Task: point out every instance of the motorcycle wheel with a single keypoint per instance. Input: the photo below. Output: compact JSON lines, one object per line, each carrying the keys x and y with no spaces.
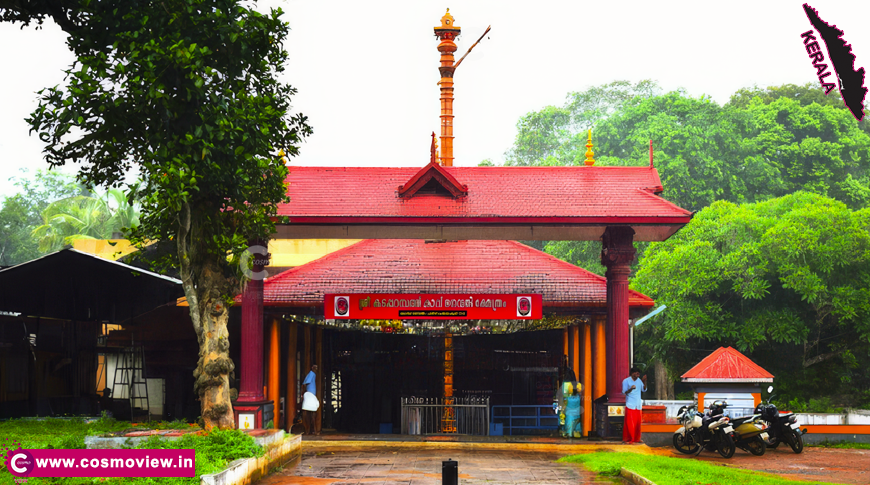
{"x":772,"y":441}
{"x":685,"y":443}
{"x":725,"y":445}
{"x":756,"y":446}
{"x":795,"y":440}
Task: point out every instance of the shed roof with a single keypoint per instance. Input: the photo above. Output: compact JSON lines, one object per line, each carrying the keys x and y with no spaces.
{"x":418,"y":266}
{"x":73,"y":285}
{"x":726,"y":364}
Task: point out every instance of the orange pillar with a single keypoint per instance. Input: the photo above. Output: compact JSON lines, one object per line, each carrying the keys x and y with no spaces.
{"x":565,"y":347}
{"x":599,"y":357}
{"x":575,"y":364}
{"x":446,"y":33}
{"x":274,"y":383}
{"x":587,"y":378}
{"x":321,"y":377}
{"x":291,"y":398}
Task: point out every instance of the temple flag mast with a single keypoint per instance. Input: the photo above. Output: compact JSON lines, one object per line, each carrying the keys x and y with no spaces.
{"x":447,"y":32}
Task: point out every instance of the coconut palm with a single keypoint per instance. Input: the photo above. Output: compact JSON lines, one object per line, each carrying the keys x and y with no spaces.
{"x":83,"y":217}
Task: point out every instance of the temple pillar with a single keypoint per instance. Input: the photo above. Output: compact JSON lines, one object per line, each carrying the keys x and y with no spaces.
{"x":321,"y":377}
{"x":291,"y":399}
{"x":273,"y":388}
{"x":617,"y":255}
{"x":599,"y":355}
{"x":566,"y":348}
{"x":575,"y":352}
{"x":587,"y":378}
{"x":252,"y":409}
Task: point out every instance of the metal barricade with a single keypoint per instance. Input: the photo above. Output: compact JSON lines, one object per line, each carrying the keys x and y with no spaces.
{"x":525,"y":417}
{"x":433,"y":415}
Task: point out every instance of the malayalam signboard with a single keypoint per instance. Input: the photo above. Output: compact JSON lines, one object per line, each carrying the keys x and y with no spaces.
{"x":380,"y":306}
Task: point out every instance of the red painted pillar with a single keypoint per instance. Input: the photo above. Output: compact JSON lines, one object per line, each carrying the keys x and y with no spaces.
{"x":617,"y":255}
{"x":251,"y":385}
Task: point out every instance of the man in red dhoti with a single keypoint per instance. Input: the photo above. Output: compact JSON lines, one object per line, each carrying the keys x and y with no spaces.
{"x":632,"y":387}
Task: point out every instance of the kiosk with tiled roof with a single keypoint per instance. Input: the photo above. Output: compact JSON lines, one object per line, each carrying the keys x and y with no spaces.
{"x":727,"y":374}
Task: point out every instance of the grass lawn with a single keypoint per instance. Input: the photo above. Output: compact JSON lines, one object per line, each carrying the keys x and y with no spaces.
{"x":664,"y":470}
{"x":213,"y":451}
{"x":842,"y":445}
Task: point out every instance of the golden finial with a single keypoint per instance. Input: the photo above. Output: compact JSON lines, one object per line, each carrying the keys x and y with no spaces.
{"x":590,"y":161}
{"x":447,"y":21}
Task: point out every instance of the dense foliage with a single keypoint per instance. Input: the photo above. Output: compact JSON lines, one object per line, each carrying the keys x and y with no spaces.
{"x":786,"y":281}
{"x":22,"y":212}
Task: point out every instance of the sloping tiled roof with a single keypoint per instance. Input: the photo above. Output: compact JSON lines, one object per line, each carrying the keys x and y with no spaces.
{"x":495,"y":194}
{"x":727,"y":365}
{"x":415,"y":266}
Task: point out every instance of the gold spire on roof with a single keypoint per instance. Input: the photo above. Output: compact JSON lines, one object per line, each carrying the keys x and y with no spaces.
{"x":590,"y":161}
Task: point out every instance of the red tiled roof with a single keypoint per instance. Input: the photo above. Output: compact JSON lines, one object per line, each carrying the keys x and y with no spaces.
{"x":415,"y":266}
{"x":495,"y":194}
{"x":727,"y":365}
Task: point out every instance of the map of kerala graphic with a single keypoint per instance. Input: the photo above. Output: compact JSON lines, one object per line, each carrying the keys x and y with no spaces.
{"x":851,"y":81}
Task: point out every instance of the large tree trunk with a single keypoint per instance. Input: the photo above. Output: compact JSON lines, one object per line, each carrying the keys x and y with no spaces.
{"x":209,"y":313}
{"x":664,"y":385}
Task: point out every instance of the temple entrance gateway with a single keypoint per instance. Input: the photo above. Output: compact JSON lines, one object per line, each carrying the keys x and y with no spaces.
{"x":446,"y":204}
{"x":512,"y":362}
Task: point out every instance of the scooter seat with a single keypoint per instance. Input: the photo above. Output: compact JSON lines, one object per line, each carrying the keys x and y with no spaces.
{"x":743,"y":419}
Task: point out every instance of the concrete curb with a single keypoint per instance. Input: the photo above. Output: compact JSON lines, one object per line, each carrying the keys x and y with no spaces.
{"x":248,"y":470}
{"x":634,"y":478}
{"x":567,"y":448}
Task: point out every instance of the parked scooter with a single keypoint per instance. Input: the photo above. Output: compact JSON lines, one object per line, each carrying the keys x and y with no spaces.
{"x":687,"y":439}
{"x":704,"y":431}
{"x":749,"y":434}
{"x":781,"y":427}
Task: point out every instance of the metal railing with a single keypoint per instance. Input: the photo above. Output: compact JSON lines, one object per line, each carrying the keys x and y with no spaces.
{"x":525,"y":417}
{"x":458,"y":415}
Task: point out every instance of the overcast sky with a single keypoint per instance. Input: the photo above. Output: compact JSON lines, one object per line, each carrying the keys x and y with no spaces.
{"x":367,"y":71}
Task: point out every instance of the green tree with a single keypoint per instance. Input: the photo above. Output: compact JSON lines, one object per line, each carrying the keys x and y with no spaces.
{"x":186,"y":91}
{"x":785,"y":280}
{"x":22,"y":212}
{"x":82,"y":217}
{"x":557,"y":135}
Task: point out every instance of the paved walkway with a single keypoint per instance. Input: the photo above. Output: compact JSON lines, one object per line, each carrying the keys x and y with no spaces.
{"x":386,"y":465}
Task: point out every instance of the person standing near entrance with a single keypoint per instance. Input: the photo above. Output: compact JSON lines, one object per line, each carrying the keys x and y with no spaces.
{"x":309,"y":401}
{"x":632,"y":387}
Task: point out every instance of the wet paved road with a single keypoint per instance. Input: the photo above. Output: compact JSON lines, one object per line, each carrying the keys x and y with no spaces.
{"x":394,"y":466}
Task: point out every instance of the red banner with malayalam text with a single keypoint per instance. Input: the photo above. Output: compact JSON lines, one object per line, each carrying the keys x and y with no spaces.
{"x":405,"y":306}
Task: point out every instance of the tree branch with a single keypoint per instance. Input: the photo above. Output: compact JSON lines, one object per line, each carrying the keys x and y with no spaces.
{"x":822,"y":358}
{"x":184,"y":260}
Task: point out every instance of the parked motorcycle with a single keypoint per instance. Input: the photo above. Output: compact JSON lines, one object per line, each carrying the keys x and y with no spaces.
{"x":749,"y":432}
{"x":687,"y":439}
{"x":703,"y":431}
{"x":781,"y":427}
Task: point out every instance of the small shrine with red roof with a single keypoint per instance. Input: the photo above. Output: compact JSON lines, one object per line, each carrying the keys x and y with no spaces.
{"x":729,"y":375}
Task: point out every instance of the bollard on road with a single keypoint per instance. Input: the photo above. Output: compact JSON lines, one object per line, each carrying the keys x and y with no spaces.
{"x":449,"y":472}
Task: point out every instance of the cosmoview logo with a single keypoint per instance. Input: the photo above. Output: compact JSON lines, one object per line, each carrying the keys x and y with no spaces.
{"x":20,"y":463}
{"x":250,"y":259}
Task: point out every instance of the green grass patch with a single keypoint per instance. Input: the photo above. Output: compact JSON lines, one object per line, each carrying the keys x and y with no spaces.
{"x":665,"y":470}
{"x":841,"y":444}
{"x":213,"y":450}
